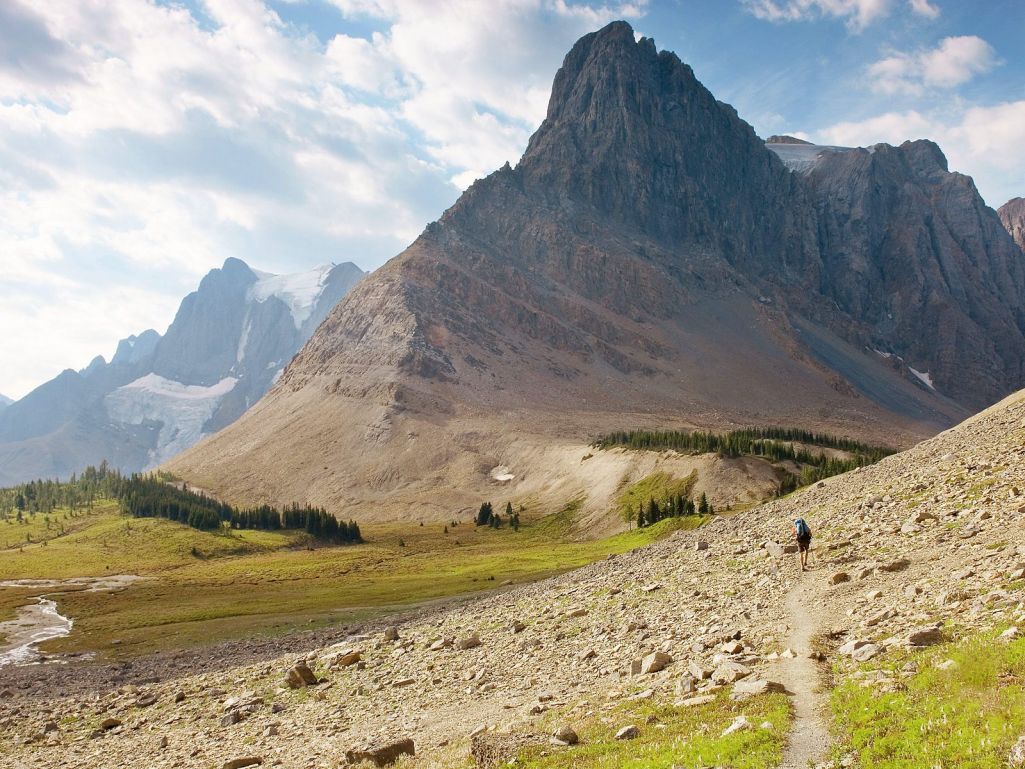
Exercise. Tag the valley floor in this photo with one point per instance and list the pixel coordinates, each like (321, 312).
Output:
(919, 567)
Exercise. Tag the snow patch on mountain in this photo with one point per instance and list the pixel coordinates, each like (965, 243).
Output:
(181, 410)
(923, 377)
(299, 290)
(802, 158)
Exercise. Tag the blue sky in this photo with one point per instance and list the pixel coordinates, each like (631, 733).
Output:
(143, 142)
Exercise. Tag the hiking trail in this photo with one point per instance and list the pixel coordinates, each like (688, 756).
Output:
(808, 742)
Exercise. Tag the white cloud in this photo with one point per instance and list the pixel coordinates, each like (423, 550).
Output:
(984, 141)
(925, 8)
(857, 13)
(953, 62)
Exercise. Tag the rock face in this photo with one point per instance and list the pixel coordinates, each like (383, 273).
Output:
(648, 262)
(920, 269)
(1012, 216)
(160, 394)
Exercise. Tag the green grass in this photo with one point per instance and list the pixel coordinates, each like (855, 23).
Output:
(36, 527)
(659, 486)
(676, 736)
(203, 587)
(965, 717)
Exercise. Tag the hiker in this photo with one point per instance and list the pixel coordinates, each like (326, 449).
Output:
(803, 532)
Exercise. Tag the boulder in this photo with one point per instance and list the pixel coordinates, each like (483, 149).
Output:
(241, 763)
(300, 675)
(867, 652)
(925, 636)
(685, 684)
(698, 671)
(344, 658)
(655, 662)
(628, 733)
(852, 646)
(701, 545)
(899, 565)
(1016, 757)
(110, 723)
(774, 549)
(740, 724)
(470, 642)
(383, 754)
(730, 671)
(565, 735)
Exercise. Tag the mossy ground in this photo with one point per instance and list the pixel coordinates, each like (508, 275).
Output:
(203, 587)
(964, 717)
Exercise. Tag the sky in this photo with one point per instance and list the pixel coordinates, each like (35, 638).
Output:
(142, 142)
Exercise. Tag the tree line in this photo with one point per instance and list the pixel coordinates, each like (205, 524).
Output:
(775, 444)
(675, 506)
(155, 496)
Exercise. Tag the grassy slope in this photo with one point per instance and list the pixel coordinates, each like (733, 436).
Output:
(672, 736)
(659, 486)
(968, 715)
(204, 587)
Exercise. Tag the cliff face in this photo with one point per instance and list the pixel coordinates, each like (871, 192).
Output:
(919, 266)
(1012, 216)
(648, 262)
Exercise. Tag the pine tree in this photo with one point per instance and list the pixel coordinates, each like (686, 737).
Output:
(484, 514)
(703, 505)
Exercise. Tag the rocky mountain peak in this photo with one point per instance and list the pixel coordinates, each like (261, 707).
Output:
(924, 156)
(1012, 216)
(783, 139)
(136, 348)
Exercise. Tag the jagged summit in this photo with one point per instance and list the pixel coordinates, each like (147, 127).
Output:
(1012, 216)
(650, 261)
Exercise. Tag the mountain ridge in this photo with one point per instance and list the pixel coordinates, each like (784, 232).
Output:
(159, 394)
(1012, 216)
(602, 283)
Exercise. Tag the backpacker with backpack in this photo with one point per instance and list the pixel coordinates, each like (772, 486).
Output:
(803, 530)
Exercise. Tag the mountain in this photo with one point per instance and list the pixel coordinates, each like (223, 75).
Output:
(649, 262)
(5, 401)
(1012, 215)
(919, 267)
(160, 394)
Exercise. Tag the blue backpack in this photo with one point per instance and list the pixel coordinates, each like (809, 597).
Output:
(803, 531)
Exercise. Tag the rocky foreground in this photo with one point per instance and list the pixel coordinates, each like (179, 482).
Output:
(908, 549)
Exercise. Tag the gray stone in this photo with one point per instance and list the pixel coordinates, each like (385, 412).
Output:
(655, 662)
(925, 636)
(383, 754)
(566, 735)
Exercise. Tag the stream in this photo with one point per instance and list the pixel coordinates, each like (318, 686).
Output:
(40, 621)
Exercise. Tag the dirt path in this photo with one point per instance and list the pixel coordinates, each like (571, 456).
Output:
(809, 736)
